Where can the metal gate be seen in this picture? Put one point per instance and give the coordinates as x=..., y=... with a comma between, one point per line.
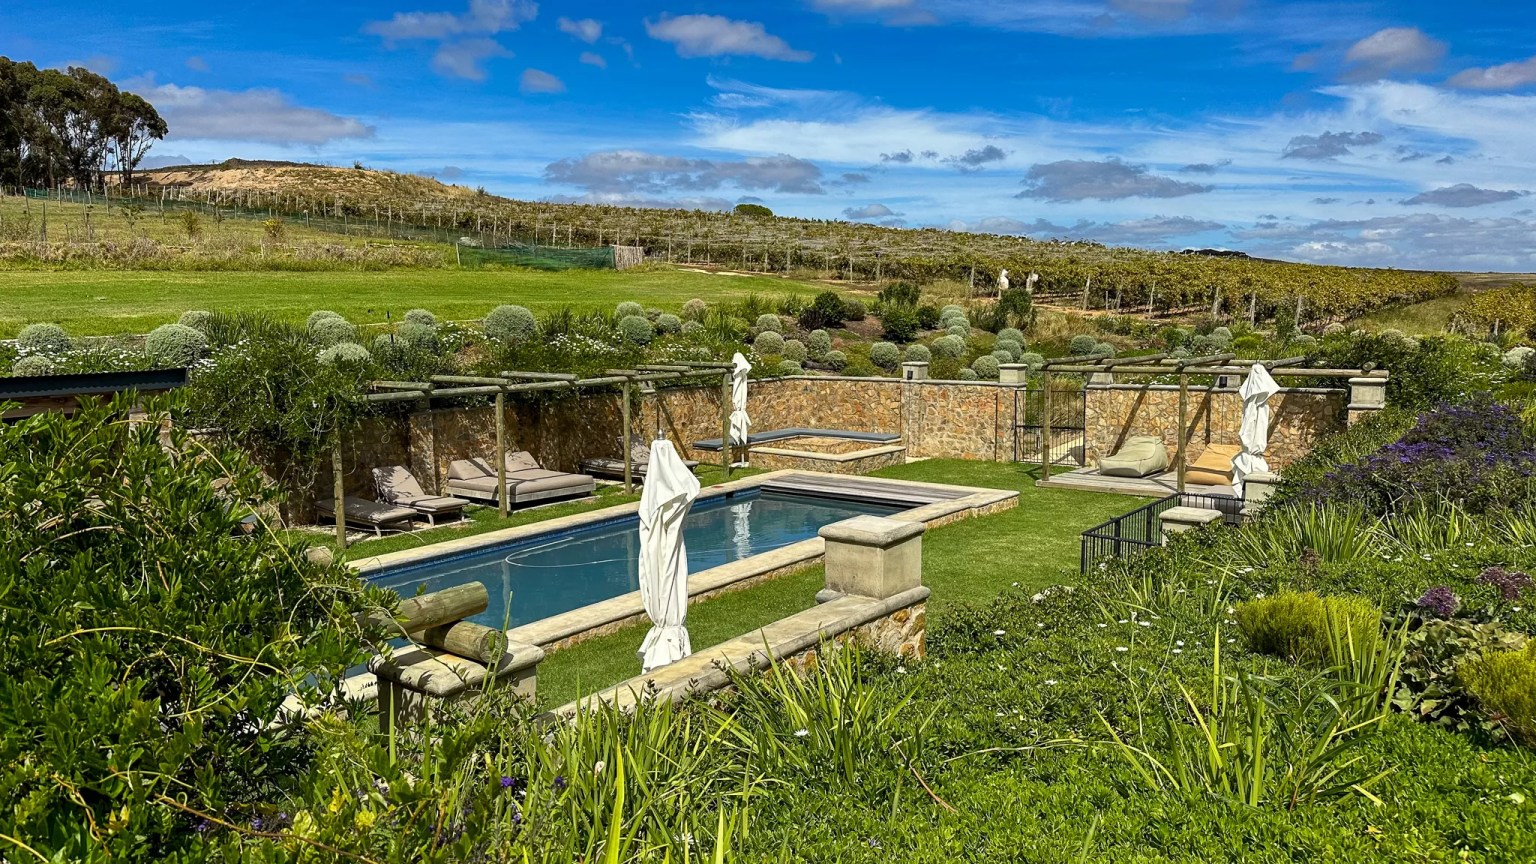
x=1069, y=419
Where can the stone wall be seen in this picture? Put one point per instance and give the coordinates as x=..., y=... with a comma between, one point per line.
x=902, y=634
x=1297, y=418
x=958, y=420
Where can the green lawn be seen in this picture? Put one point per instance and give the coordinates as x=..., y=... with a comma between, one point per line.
x=106, y=302
x=970, y=561
x=1417, y=319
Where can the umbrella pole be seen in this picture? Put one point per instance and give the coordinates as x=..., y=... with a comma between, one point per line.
x=1183, y=428
x=339, y=491
x=629, y=485
x=1045, y=432
x=501, y=454
x=725, y=424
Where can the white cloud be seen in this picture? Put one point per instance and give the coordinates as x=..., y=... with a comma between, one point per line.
x=588, y=30
x=1392, y=51
x=592, y=59
x=1109, y=180
x=245, y=115
x=197, y=64
x=1328, y=145
x=718, y=36
x=1464, y=195
x=466, y=57
x=627, y=172
x=1508, y=76
x=1423, y=241
x=537, y=81
x=870, y=211
x=484, y=17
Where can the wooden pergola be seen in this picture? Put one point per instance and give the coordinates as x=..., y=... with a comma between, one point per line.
x=1215, y=365
x=449, y=386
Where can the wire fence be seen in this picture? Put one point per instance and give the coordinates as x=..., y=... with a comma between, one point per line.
x=1141, y=529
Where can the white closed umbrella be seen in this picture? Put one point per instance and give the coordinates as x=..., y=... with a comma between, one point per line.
x=740, y=422
x=670, y=489
x=1254, y=433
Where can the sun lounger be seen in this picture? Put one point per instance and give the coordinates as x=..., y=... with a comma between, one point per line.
x=1141, y=456
x=639, y=459
x=398, y=486
x=526, y=481
x=369, y=514
x=1214, y=467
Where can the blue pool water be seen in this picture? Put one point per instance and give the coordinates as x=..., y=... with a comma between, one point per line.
x=556, y=573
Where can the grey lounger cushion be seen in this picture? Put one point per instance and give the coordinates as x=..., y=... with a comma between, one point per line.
x=475, y=478
x=1142, y=456
x=398, y=486
x=367, y=512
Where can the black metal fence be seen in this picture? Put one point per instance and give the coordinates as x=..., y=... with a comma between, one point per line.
x=1069, y=419
x=1141, y=529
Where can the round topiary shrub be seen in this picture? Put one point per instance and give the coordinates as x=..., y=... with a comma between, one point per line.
x=387, y=346
x=788, y=367
x=668, y=323
x=1516, y=357
x=795, y=350
x=955, y=321
x=819, y=343
x=1082, y=344
x=345, y=353
x=31, y=365
x=1032, y=360
x=691, y=328
x=1002, y=356
x=695, y=309
x=1334, y=329
x=1200, y=346
x=837, y=361
x=1221, y=336
x=332, y=331
x=952, y=311
x=422, y=317
x=1173, y=337
x=1104, y=349
x=1009, y=345
x=986, y=367
x=1307, y=343
x=317, y=316
x=628, y=308
x=414, y=334
x=769, y=323
x=768, y=342
x=636, y=330
x=1012, y=334
x=919, y=354
x=196, y=319
x=510, y=324
x=968, y=374
x=885, y=355
x=958, y=331
x=949, y=346
x=175, y=345
x=43, y=338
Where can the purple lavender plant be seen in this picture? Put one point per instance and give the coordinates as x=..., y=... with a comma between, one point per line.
x=1440, y=601
x=1509, y=583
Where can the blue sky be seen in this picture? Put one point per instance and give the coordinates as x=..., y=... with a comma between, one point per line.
x=1379, y=133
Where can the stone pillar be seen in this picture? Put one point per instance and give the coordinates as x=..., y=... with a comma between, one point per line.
x=872, y=556
x=1013, y=373
x=1101, y=378
x=1367, y=395
x=1177, y=520
x=1257, y=488
x=915, y=371
x=421, y=431
x=912, y=405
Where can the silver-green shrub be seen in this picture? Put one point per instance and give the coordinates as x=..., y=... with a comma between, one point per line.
x=986, y=367
x=1002, y=356
x=968, y=374
x=332, y=331
x=628, y=308
x=175, y=345
x=414, y=334
x=1032, y=360
x=795, y=350
x=668, y=323
x=957, y=331
x=885, y=355
x=636, y=329
x=1082, y=344
x=837, y=361
x=510, y=324
x=768, y=342
x=1013, y=334
x=952, y=311
x=819, y=343
x=196, y=319
x=919, y=354
x=1222, y=336
x=1104, y=349
x=344, y=353
x=691, y=328
x=788, y=367
x=31, y=365
x=769, y=323
x=695, y=310
x=317, y=316
x=422, y=317
x=949, y=346
x=44, y=338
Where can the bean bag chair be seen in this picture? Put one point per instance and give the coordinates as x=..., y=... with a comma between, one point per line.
x=1141, y=456
x=1214, y=466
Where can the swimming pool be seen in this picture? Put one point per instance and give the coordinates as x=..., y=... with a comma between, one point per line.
x=554, y=573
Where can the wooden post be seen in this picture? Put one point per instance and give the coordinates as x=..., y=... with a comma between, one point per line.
x=1183, y=428
x=501, y=454
x=338, y=490
x=725, y=424
x=625, y=445
x=1045, y=428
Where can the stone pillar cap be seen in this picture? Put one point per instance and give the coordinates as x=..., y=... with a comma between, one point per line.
x=1262, y=477
x=876, y=531
x=1190, y=515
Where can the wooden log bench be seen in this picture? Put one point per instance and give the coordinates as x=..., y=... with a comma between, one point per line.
x=449, y=658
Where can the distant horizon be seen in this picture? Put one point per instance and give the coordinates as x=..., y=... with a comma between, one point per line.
x=1366, y=133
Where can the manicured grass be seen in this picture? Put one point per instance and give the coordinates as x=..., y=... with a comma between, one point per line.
x=485, y=519
x=107, y=302
x=1034, y=545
